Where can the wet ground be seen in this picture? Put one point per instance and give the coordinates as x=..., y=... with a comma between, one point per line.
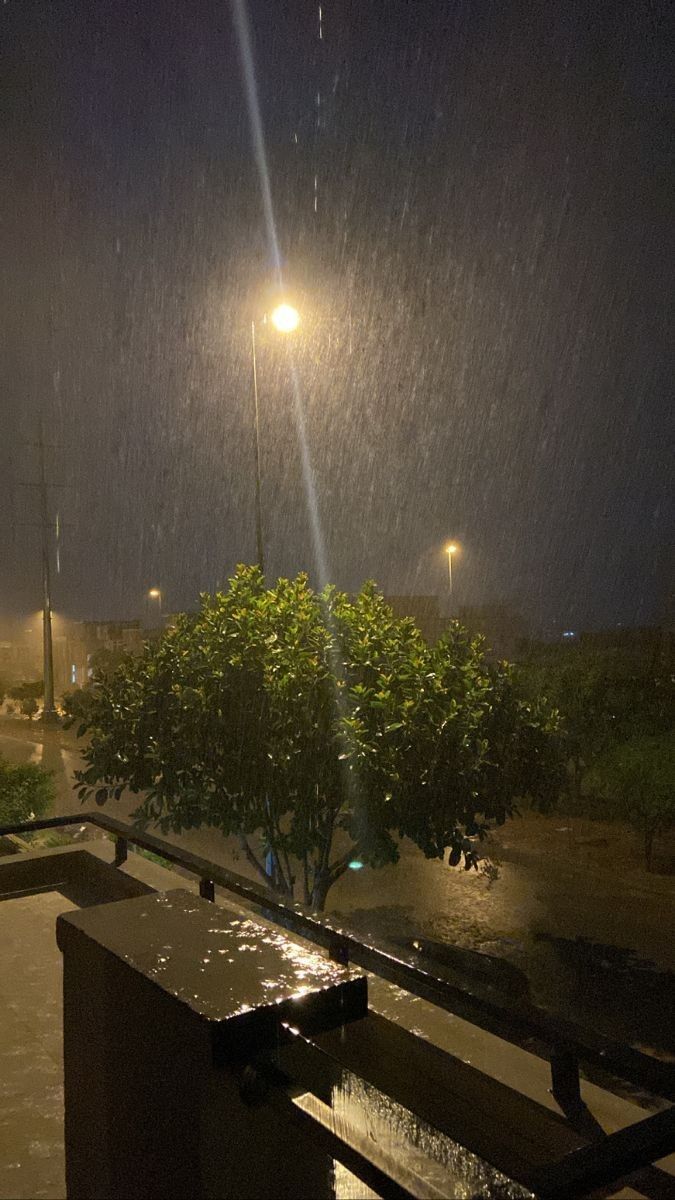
x=597, y=945
x=572, y=909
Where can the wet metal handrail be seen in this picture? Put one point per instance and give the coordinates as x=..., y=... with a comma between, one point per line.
x=605, y=1162
x=566, y=1043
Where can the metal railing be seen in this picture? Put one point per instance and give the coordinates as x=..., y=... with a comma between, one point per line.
x=566, y=1044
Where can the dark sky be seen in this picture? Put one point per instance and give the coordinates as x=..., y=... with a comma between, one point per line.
x=471, y=201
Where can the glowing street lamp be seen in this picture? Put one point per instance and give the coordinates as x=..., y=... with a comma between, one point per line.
x=155, y=593
x=450, y=550
x=285, y=319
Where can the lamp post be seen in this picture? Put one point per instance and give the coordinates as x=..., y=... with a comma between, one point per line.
x=285, y=319
x=155, y=593
x=450, y=550
x=49, y=713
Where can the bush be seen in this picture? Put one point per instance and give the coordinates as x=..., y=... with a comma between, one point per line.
x=26, y=791
x=27, y=695
x=637, y=779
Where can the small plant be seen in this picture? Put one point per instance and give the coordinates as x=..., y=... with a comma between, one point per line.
x=26, y=792
x=51, y=841
x=490, y=871
x=152, y=857
x=27, y=696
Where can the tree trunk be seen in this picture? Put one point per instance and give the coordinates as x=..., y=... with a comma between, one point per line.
x=276, y=880
x=320, y=892
x=576, y=781
x=306, y=896
x=324, y=880
x=649, y=847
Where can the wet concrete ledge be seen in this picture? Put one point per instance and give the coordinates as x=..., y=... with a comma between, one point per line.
x=521, y=1070
x=166, y=997
x=80, y=876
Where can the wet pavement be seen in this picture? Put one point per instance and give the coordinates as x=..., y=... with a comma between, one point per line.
x=31, y=1086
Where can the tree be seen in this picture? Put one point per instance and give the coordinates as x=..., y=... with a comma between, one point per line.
x=318, y=729
x=78, y=703
x=26, y=791
x=106, y=659
x=28, y=694
x=637, y=778
x=603, y=699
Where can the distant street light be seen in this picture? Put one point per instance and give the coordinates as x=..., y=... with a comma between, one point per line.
x=156, y=594
x=285, y=319
x=450, y=550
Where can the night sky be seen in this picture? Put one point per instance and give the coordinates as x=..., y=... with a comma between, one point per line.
x=471, y=203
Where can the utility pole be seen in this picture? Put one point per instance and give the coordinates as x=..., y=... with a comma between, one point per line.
x=259, y=545
x=49, y=711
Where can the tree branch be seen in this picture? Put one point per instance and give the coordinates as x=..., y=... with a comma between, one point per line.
x=271, y=829
x=305, y=876
x=288, y=870
x=251, y=858
x=322, y=866
x=338, y=868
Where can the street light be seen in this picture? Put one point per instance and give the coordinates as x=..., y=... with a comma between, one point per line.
x=450, y=550
x=285, y=319
x=155, y=593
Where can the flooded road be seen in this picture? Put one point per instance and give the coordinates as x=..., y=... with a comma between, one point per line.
x=595, y=946
x=593, y=949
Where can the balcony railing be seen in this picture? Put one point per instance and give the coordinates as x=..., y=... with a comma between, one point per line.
x=566, y=1045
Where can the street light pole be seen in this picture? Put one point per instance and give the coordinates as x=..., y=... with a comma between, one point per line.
x=155, y=593
x=256, y=425
x=285, y=319
x=49, y=713
x=451, y=549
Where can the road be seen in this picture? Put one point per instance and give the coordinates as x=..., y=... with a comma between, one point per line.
x=575, y=930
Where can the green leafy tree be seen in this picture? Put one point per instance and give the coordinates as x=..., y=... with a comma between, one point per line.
x=637, y=779
x=78, y=704
x=27, y=695
x=603, y=699
x=318, y=729
x=26, y=791
x=106, y=659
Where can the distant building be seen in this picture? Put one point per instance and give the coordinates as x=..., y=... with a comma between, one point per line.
x=18, y=661
x=504, y=629
x=20, y=649
x=75, y=645
x=112, y=637
x=425, y=612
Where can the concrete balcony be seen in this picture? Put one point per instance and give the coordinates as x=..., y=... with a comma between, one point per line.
x=400, y=1093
